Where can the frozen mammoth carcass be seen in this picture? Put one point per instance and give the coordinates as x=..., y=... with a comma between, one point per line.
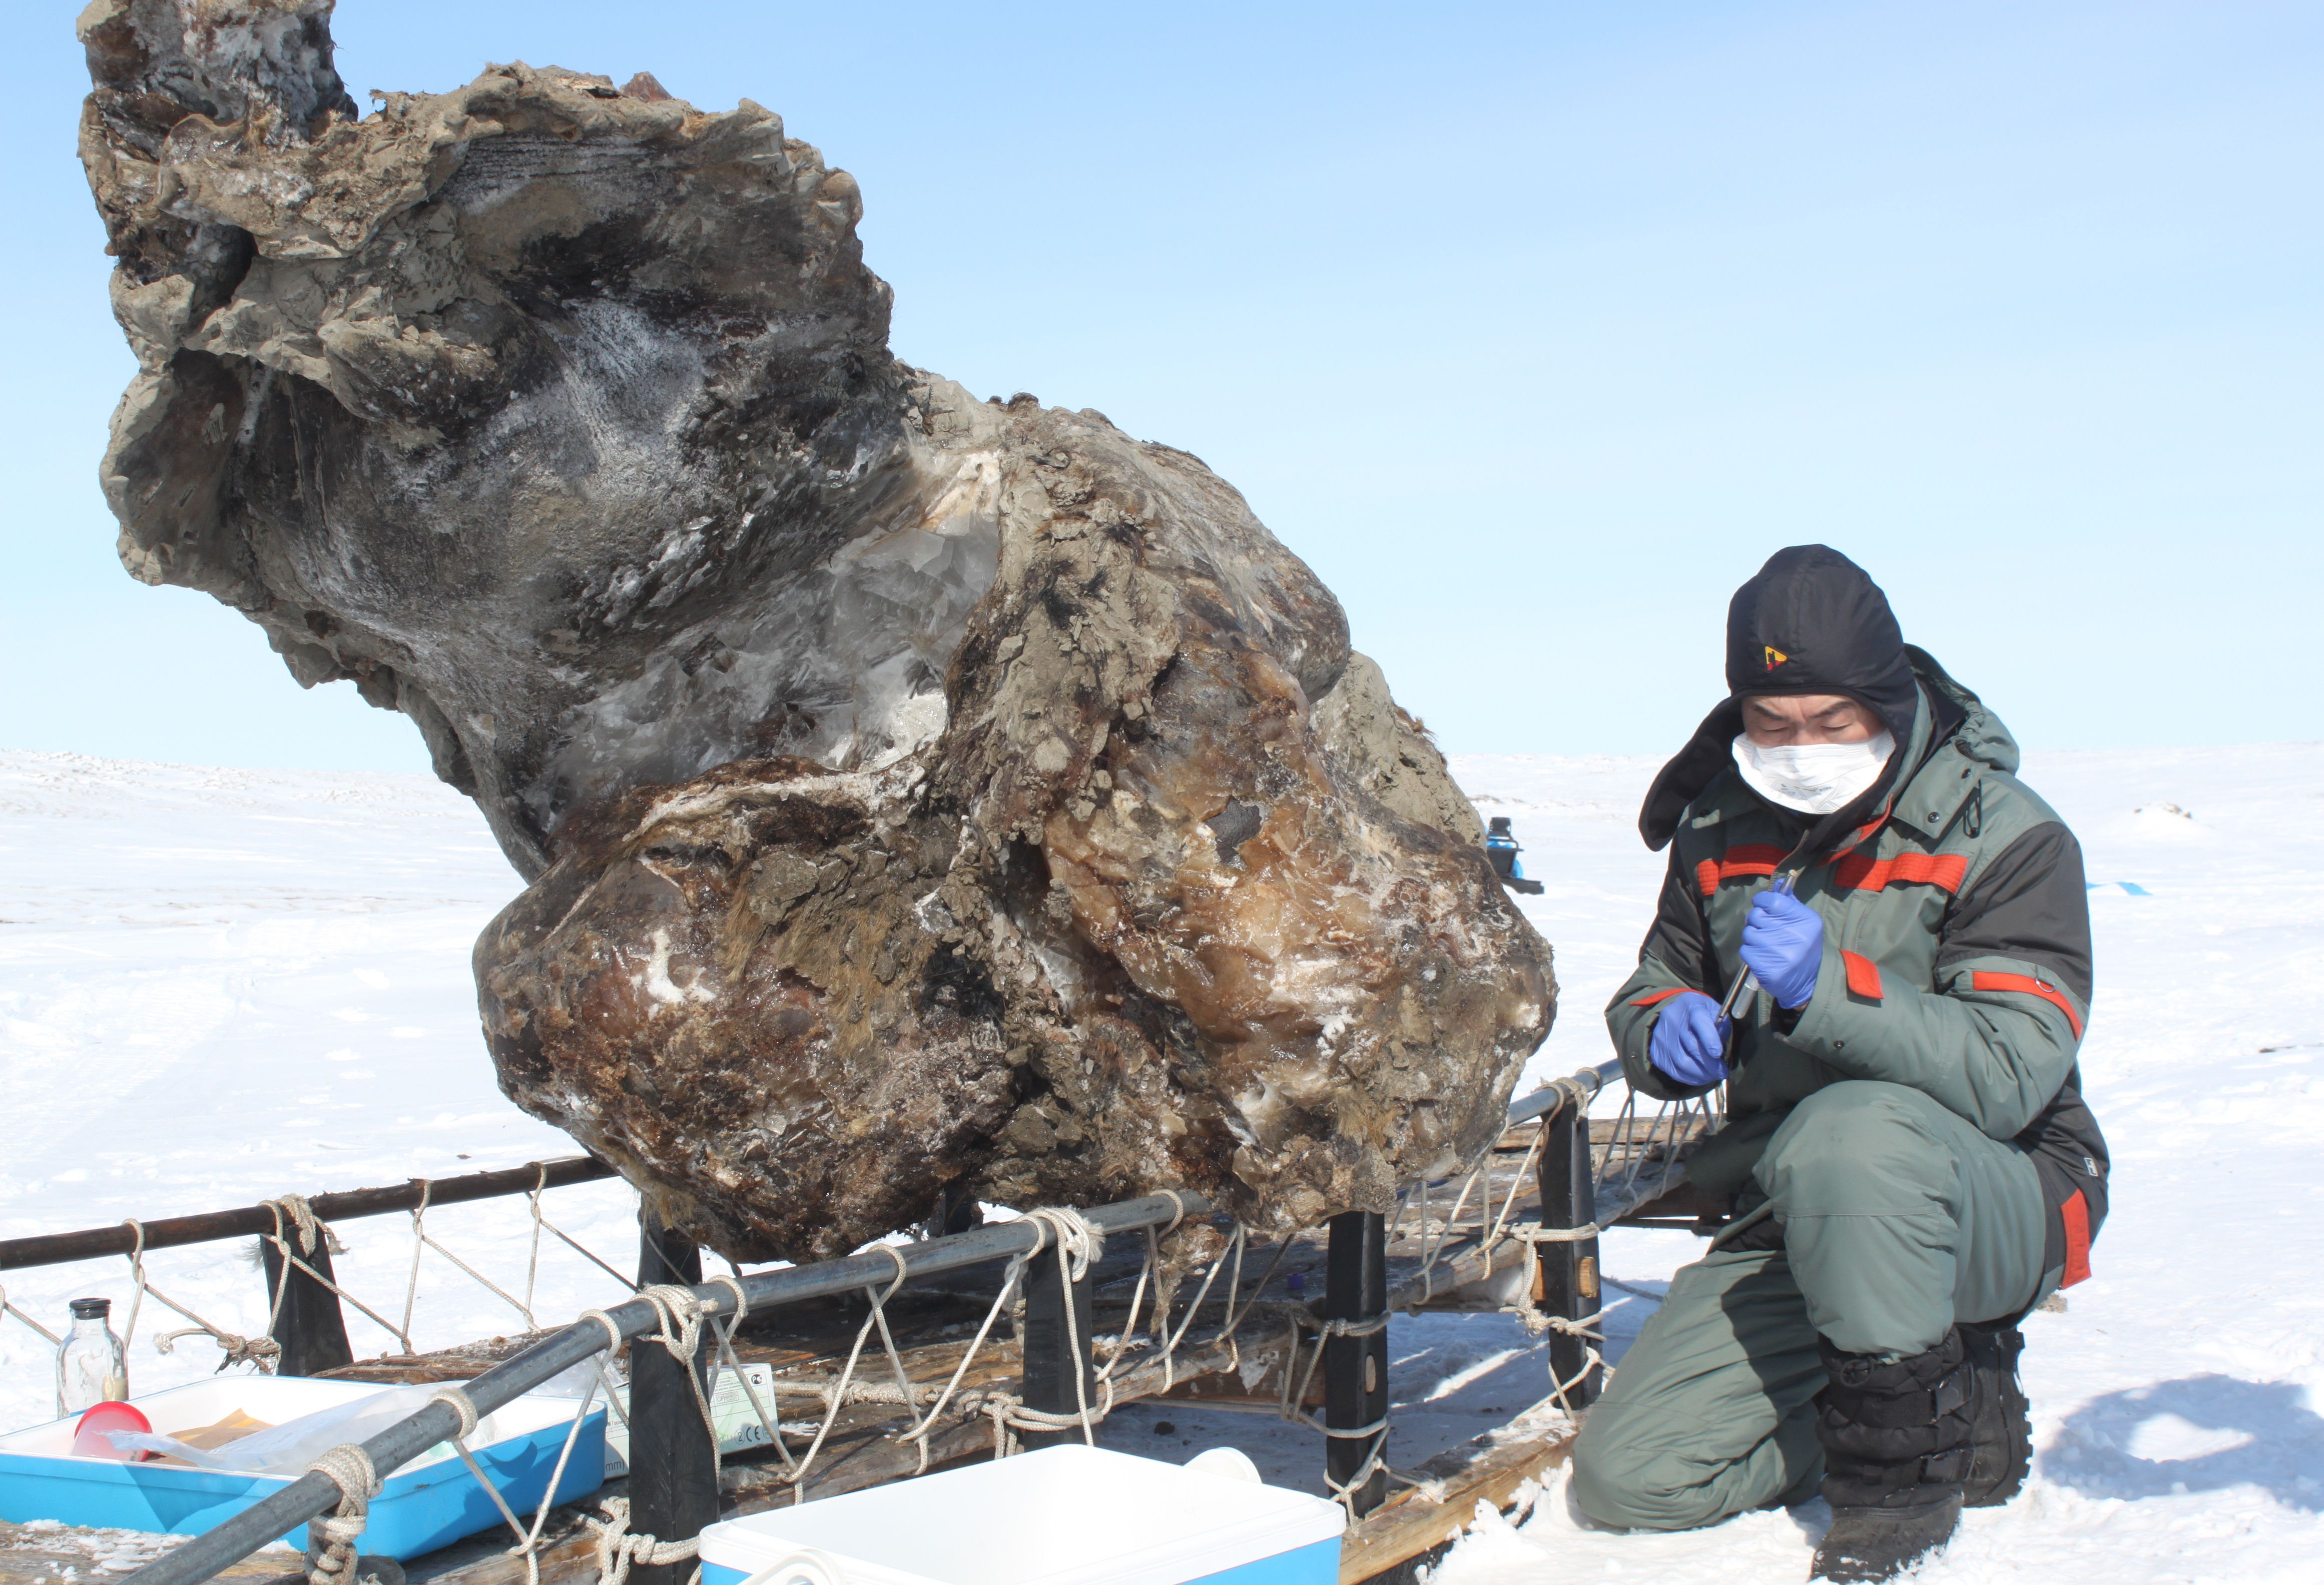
x=1140, y=915
x=918, y=796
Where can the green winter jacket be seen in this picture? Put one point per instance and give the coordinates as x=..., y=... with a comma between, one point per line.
x=1956, y=956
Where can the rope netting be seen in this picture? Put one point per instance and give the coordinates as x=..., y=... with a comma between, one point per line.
x=1450, y=1249
x=1495, y=1189
x=293, y=1242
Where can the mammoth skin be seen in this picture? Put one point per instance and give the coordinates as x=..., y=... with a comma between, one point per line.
x=917, y=796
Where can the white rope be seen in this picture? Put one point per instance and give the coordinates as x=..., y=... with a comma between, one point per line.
x=1525, y=1170
x=528, y=1539
x=529, y=1542
x=533, y=1259
x=268, y=1352
x=613, y=1342
x=540, y=1222
x=350, y=1468
x=925, y=1426
x=462, y=1405
x=312, y=1228
x=262, y=1351
x=1079, y=1245
x=619, y=1547
x=1293, y=1407
x=419, y=1243
x=1012, y=1418
x=300, y=1233
x=8, y=1309
x=1591, y=1359
x=295, y=1206
x=1234, y=1248
x=1179, y=1214
x=1433, y=1249
x=768, y=1421
x=796, y=1476
x=421, y=1239
x=1344, y=1492
x=1148, y=1269
x=613, y=1338
x=679, y=1315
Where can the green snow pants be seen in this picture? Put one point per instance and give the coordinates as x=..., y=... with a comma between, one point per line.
x=1900, y=1217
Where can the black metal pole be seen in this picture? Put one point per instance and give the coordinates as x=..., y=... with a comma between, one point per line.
x=673, y=1466
x=1355, y=1368
x=1567, y=1286
x=310, y=1328
x=1051, y=1361
x=957, y=1210
x=171, y=1232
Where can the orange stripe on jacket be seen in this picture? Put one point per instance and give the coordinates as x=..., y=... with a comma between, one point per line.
x=1750, y=858
x=1858, y=874
x=2076, y=1213
x=1863, y=974
x=1653, y=997
x=1981, y=979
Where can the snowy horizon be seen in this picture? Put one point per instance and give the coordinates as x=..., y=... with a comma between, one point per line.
x=218, y=984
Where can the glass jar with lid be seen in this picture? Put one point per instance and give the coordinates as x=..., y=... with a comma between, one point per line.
x=92, y=1367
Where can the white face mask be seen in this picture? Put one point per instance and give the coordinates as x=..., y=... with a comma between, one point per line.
x=1816, y=778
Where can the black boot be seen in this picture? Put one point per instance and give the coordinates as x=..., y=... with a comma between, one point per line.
x=2001, y=1432
x=1895, y=1452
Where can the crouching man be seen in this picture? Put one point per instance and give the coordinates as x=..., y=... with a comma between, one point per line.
x=1911, y=1164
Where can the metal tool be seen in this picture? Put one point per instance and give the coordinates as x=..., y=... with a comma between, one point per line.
x=1747, y=983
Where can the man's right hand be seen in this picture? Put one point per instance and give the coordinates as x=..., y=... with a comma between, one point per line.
x=1689, y=1039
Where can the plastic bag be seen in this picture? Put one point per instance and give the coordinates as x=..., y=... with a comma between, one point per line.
x=289, y=1447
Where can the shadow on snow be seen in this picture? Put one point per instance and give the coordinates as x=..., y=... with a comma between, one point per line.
x=2281, y=1442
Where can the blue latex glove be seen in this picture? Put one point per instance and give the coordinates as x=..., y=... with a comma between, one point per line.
x=1689, y=1041
x=1783, y=944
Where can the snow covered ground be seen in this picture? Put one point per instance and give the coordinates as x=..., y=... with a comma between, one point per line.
x=218, y=985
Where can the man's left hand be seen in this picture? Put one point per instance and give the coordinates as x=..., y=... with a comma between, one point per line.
x=1783, y=944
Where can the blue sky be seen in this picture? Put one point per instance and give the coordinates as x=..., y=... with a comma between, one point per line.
x=1533, y=329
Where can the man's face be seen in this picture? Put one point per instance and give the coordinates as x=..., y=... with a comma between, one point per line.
x=1776, y=721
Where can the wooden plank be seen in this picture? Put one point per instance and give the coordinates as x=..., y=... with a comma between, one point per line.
x=1488, y=1469
x=40, y=1555
x=453, y=1364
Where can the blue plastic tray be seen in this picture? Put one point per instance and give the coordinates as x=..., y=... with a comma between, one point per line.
x=428, y=1503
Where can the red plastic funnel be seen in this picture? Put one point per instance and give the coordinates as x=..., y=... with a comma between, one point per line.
x=89, y=1441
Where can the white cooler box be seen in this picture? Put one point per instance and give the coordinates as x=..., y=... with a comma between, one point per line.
x=1065, y=1516
x=430, y=1502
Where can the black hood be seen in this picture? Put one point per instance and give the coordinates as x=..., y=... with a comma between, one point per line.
x=1811, y=622
x=1814, y=622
